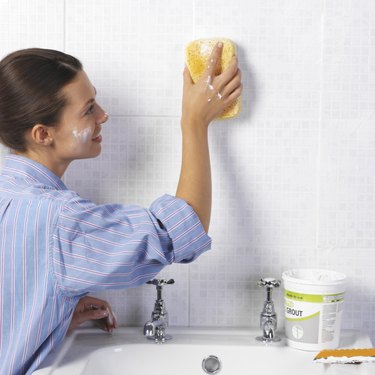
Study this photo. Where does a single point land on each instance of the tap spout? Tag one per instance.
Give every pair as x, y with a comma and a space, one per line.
150, 328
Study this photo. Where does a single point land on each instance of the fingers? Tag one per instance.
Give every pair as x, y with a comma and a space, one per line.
225, 94
224, 84
111, 322
94, 314
108, 321
234, 95
107, 324
232, 85
99, 311
187, 77
92, 303
227, 76
115, 322
213, 60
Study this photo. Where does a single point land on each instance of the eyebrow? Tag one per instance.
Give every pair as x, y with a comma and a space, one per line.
92, 100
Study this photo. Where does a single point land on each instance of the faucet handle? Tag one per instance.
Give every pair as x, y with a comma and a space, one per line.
160, 282
269, 282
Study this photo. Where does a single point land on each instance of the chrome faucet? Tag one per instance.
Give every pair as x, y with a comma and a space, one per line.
268, 318
155, 329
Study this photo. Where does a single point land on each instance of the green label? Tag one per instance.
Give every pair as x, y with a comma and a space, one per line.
314, 298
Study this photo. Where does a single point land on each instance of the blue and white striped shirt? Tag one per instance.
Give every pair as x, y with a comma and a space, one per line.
56, 246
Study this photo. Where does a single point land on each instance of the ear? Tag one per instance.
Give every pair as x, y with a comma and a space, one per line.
41, 135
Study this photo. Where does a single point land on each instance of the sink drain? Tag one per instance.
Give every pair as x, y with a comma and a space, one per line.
211, 365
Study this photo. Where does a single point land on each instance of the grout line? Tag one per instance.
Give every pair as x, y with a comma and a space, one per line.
63, 178
188, 298
138, 59
145, 116
64, 26
194, 18
189, 266
319, 138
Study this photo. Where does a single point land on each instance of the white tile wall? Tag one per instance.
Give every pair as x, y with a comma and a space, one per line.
35, 23
293, 176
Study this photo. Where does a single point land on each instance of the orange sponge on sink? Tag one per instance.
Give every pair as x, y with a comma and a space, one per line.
346, 356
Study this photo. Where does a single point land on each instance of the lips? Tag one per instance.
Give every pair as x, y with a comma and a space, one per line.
98, 138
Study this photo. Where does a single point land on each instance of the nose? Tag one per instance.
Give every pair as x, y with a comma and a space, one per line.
102, 116
105, 118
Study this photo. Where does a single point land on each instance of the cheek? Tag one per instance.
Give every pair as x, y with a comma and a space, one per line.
82, 136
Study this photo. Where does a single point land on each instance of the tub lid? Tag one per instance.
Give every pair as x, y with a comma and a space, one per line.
314, 276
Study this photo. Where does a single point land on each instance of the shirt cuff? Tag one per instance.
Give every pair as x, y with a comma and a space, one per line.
189, 239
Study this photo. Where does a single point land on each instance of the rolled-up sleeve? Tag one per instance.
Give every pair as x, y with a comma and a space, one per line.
98, 247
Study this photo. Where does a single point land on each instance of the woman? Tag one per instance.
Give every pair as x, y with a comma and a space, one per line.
55, 247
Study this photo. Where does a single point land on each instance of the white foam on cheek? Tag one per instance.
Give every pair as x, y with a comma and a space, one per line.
82, 136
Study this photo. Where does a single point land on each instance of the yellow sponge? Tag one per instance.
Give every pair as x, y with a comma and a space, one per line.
197, 53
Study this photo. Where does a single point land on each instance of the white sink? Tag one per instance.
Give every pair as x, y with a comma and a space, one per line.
128, 352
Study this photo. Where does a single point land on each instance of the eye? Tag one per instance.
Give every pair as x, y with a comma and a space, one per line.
90, 110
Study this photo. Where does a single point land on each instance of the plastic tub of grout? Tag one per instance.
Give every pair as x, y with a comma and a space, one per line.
313, 307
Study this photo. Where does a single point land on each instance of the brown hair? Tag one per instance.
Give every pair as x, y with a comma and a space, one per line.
31, 81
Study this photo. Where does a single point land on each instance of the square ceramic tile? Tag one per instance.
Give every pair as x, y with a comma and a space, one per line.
31, 23
264, 183
133, 50
348, 60
279, 49
347, 184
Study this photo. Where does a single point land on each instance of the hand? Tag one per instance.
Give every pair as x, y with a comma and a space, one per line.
97, 310
211, 95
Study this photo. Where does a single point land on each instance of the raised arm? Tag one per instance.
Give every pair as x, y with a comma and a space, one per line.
201, 103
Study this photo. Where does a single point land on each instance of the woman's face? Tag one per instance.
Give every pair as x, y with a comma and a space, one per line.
77, 136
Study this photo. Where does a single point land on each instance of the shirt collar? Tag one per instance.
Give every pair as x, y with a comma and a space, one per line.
28, 169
